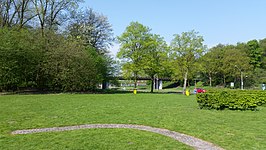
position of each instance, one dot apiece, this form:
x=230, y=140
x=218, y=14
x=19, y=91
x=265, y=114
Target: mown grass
x=228, y=129
x=91, y=139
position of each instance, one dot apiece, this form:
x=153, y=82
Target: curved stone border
x=186, y=139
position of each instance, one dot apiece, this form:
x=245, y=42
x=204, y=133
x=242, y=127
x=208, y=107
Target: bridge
x=158, y=82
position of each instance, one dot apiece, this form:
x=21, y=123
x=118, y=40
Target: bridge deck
x=140, y=78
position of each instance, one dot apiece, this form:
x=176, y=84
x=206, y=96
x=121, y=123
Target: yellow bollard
x=187, y=93
x=135, y=91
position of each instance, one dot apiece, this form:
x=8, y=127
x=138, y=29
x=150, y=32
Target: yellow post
x=187, y=93
x=135, y=91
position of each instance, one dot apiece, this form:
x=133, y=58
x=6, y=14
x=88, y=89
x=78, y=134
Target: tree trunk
x=224, y=81
x=210, y=78
x=152, y=84
x=185, y=83
x=42, y=30
x=135, y=81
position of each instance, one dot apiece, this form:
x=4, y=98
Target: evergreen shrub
x=232, y=99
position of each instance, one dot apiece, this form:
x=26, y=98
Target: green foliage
x=134, y=42
x=185, y=51
x=154, y=58
x=70, y=67
x=235, y=59
x=199, y=84
x=19, y=57
x=222, y=64
x=262, y=44
x=143, y=52
x=52, y=62
x=233, y=100
x=255, y=53
x=208, y=65
x=34, y=53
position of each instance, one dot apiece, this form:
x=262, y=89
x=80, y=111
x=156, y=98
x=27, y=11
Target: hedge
x=233, y=100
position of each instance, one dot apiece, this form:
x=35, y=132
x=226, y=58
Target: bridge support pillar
x=105, y=85
x=155, y=84
x=158, y=84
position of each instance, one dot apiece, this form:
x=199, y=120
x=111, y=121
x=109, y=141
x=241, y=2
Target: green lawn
x=228, y=129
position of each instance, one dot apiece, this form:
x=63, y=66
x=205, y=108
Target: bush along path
x=186, y=139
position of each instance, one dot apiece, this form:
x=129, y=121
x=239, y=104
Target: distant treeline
x=188, y=60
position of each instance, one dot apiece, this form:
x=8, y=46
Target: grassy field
x=228, y=129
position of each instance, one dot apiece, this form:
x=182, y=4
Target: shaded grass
x=228, y=129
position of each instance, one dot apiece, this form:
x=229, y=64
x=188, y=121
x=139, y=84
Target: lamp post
x=241, y=76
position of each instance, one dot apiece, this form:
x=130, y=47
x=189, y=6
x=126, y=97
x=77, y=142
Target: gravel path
x=186, y=139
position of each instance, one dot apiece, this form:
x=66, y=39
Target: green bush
x=231, y=99
x=51, y=62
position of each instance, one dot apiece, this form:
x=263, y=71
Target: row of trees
x=188, y=59
x=46, y=45
x=54, y=45
x=224, y=63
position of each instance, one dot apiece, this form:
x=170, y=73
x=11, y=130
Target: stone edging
x=186, y=139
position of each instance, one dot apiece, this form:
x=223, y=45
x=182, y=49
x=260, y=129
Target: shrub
x=231, y=99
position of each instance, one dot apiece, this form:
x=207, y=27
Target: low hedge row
x=234, y=100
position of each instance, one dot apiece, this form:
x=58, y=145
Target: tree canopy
x=142, y=51
x=34, y=53
x=134, y=41
x=185, y=51
x=47, y=45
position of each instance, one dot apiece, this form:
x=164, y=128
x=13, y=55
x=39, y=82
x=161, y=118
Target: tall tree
x=186, y=49
x=133, y=44
x=154, y=57
x=96, y=32
x=262, y=44
x=255, y=53
x=1, y=12
x=51, y=12
x=8, y=13
x=93, y=28
x=41, y=8
x=16, y=12
x=235, y=63
x=24, y=12
x=209, y=65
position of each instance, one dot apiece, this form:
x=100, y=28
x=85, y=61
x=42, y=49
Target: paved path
x=186, y=139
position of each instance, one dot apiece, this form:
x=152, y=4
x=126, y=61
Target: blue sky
x=218, y=21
